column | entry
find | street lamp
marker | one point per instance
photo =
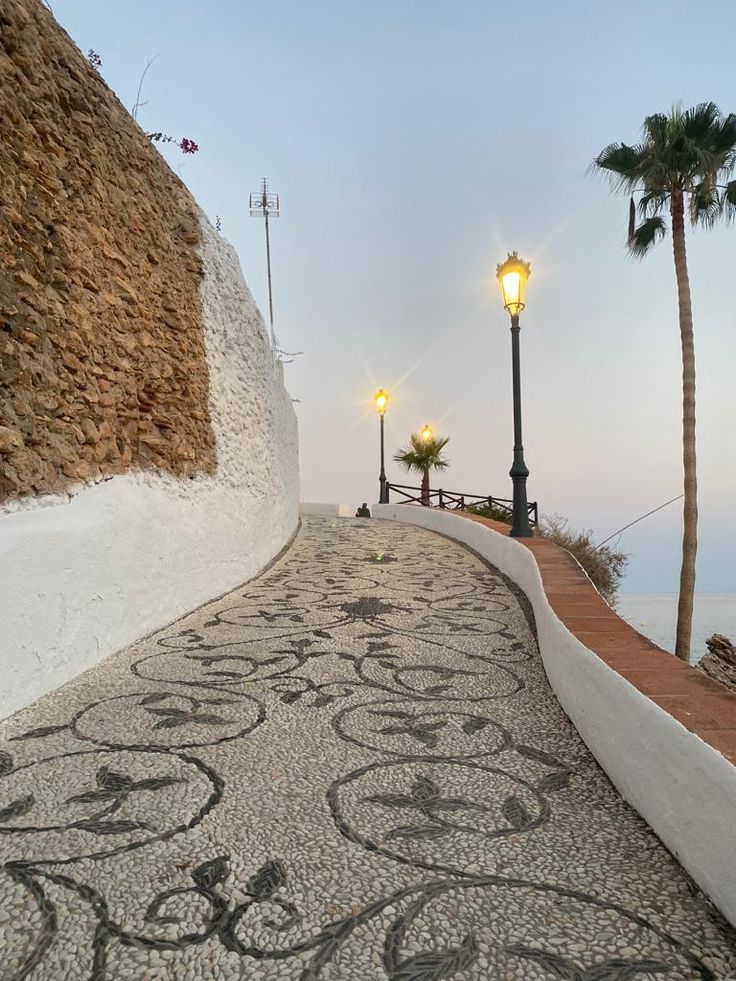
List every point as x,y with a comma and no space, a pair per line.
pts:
426,433
380,400
512,275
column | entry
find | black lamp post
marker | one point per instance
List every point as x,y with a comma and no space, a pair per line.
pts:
513,274
381,401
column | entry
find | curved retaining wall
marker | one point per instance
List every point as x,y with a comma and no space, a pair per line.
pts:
85,574
148,446
327,510
664,734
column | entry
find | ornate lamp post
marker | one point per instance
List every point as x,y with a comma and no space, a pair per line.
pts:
426,433
513,274
380,400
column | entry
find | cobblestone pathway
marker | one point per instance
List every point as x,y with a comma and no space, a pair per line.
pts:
351,768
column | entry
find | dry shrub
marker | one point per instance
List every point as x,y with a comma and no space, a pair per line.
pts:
604,566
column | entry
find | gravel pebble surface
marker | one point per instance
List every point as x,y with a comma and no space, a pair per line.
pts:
350,768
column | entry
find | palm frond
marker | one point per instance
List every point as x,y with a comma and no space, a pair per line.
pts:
622,164
407,460
726,139
652,203
655,130
647,235
700,123
705,141
728,201
423,455
705,203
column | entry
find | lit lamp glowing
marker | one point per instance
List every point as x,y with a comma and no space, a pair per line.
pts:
513,275
380,400
426,433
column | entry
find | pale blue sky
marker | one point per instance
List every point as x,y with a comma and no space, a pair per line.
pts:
414,143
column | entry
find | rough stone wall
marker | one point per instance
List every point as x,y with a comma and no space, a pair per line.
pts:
85,574
102,355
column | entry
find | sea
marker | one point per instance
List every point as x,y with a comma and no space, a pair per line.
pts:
655,616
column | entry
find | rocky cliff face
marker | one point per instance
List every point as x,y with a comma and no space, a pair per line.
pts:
103,366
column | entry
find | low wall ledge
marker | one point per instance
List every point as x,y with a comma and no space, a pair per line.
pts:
327,510
663,732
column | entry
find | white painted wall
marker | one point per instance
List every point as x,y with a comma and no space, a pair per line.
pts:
83,575
327,510
682,787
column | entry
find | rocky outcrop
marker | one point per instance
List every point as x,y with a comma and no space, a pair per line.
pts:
720,661
102,354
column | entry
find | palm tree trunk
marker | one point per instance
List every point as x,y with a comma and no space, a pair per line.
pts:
425,488
690,508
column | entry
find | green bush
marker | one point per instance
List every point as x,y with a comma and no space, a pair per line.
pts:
604,566
496,514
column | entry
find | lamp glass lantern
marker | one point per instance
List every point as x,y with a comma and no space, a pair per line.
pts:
512,275
380,400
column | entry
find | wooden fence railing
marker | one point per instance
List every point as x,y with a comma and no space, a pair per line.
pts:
455,501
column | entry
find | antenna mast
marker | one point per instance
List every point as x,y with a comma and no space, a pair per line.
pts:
266,205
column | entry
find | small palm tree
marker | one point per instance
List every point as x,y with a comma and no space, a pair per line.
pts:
683,163
421,456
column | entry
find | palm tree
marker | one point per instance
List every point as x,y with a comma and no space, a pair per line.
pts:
683,162
423,455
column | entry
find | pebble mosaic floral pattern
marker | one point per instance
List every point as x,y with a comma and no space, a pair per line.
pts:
351,768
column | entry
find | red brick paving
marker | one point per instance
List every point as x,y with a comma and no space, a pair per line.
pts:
699,703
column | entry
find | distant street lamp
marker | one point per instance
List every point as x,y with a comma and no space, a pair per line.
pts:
426,433
380,400
513,274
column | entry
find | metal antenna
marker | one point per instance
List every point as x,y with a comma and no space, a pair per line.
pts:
265,205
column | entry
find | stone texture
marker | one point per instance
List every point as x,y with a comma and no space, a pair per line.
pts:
720,661
151,542
102,357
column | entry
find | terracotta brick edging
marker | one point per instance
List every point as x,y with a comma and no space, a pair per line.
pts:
695,700
661,731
